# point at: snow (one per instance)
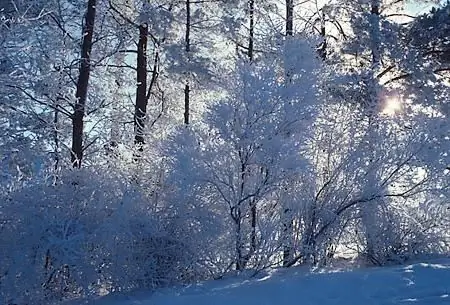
(416, 284)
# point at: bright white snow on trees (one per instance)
(216, 137)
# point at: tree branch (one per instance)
(59, 109)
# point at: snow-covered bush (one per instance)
(249, 150)
(88, 234)
(296, 174)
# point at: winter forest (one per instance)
(152, 143)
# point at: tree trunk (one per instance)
(82, 85)
(323, 46)
(289, 17)
(56, 141)
(240, 264)
(288, 235)
(187, 49)
(186, 104)
(287, 213)
(251, 9)
(140, 111)
(375, 33)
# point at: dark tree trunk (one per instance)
(186, 104)
(240, 264)
(187, 89)
(289, 17)
(82, 85)
(253, 216)
(323, 46)
(288, 235)
(287, 217)
(140, 111)
(56, 139)
(375, 32)
(242, 259)
(251, 9)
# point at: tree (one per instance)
(138, 19)
(252, 147)
(276, 133)
(287, 218)
(375, 45)
(187, 49)
(82, 84)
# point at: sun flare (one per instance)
(392, 106)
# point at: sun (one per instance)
(392, 106)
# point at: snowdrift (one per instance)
(417, 284)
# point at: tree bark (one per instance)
(187, 89)
(375, 33)
(287, 214)
(323, 45)
(240, 264)
(82, 85)
(251, 8)
(140, 111)
(289, 17)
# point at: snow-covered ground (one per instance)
(416, 284)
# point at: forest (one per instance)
(151, 143)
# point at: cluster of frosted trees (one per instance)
(151, 143)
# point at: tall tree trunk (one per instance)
(243, 259)
(187, 89)
(140, 111)
(287, 213)
(82, 85)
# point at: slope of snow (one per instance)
(417, 284)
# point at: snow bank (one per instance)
(418, 284)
